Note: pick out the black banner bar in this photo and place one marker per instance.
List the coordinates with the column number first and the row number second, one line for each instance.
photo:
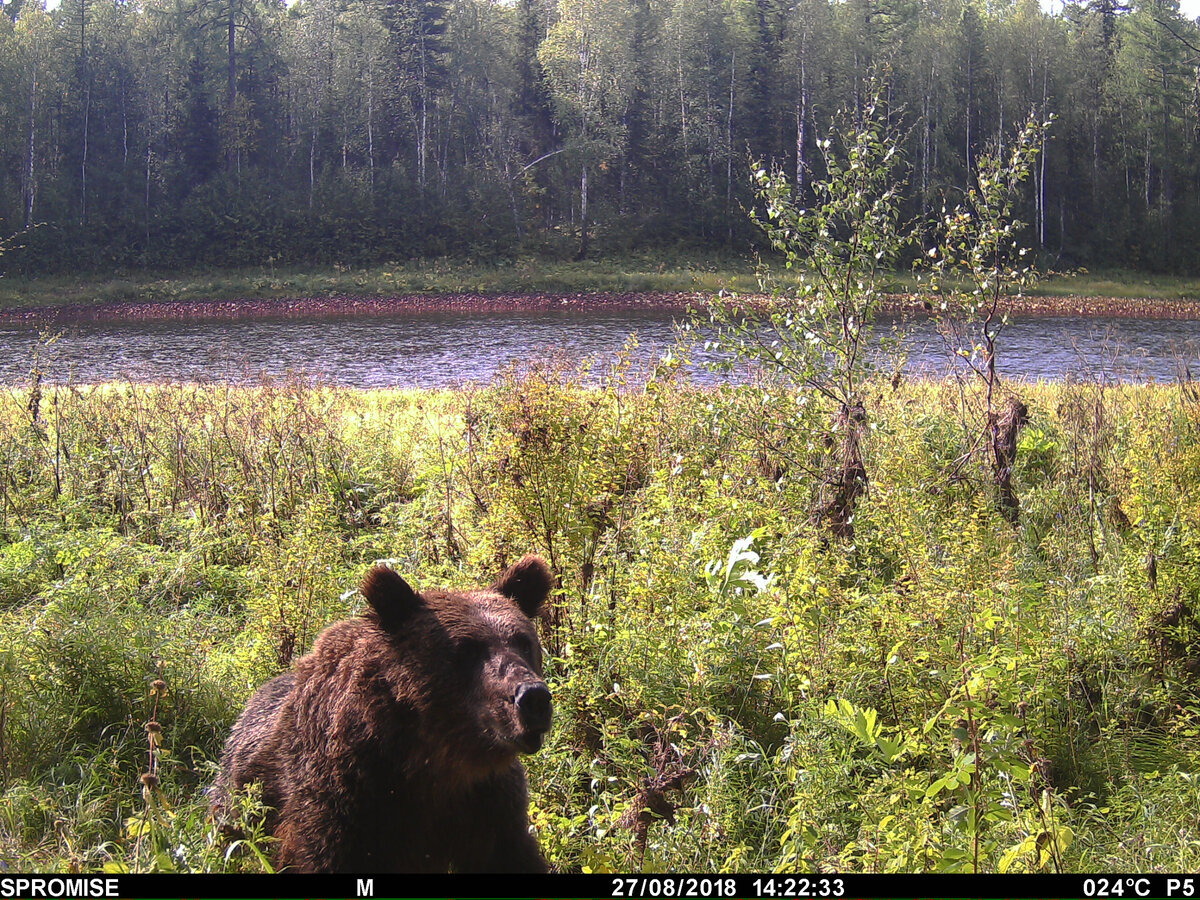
column 628, row 887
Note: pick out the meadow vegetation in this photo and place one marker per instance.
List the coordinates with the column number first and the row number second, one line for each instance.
column 679, row 271
column 735, row 688
column 670, row 270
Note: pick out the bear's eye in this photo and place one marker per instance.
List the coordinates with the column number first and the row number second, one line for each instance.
column 472, row 650
column 522, row 644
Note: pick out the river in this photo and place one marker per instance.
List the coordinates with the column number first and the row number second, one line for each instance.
column 436, row 349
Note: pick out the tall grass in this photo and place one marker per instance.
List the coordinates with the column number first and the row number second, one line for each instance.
column 733, row 690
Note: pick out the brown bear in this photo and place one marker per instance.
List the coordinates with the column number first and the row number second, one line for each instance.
column 393, row 745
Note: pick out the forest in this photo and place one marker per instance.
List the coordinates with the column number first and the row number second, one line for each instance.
column 733, row 690
column 186, row 133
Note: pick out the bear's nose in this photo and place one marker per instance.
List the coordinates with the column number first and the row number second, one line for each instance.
column 533, row 703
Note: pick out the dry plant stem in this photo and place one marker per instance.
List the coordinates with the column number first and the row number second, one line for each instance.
column 3, row 723
column 973, row 735
column 1006, row 429
column 150, row 776
column 848, row 472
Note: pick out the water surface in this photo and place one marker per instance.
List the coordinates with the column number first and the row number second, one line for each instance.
column 435, row 349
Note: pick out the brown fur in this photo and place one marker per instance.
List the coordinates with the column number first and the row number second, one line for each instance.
column 393, row 745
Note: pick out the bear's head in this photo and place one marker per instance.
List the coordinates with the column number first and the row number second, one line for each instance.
column 469, row 664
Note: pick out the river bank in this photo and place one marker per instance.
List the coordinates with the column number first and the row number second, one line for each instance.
column 350, row 305
column 475, row 285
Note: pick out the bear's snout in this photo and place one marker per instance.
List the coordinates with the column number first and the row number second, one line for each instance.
column 534, row 706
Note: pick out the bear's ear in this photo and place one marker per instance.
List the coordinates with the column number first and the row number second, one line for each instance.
column 528, row 582
column 390, row 596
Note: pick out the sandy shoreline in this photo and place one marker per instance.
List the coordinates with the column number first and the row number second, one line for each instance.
column 350, row 305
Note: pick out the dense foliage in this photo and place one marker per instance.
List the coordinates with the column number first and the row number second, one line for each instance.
column 734, row 689
column 172, row 133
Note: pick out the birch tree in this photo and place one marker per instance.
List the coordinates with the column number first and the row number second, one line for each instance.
column 587, row 56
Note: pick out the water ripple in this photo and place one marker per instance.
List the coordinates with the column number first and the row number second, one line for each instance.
column 437, row 349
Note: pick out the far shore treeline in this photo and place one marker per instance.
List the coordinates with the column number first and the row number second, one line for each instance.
column 183, row 133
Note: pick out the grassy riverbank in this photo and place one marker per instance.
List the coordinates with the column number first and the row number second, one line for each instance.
column 734, row 691
column 434, row 276
column 625, row 274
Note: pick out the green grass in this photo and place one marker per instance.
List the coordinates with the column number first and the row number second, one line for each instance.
column 1121, row 283
column 437, row 276
column 943, row 693
column 627, row 273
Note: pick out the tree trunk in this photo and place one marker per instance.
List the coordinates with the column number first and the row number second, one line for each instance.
column 124, row 129
column 802, row 120
column 30, row 174
column 422, row 137
column 926, row 137
column 970, row 103
column 1000, row 126
column 729, row 148
column 621, row 181
column 1166, row 188
column 149, row 156
column 583, row 213
column 232, row 152
column 512, row 202
column 371, row 125
column 1042, row 165
column 231, row 52
column 683, row 124
column 87, row 110
column 1146, row 186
